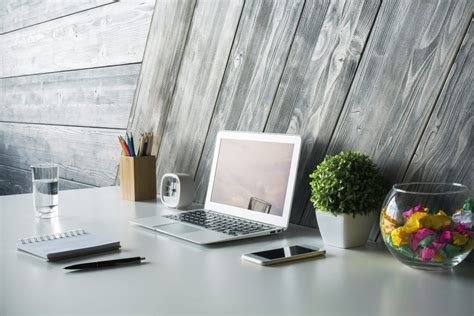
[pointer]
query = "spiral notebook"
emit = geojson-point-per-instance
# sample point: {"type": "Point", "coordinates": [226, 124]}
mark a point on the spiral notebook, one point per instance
{"type": "Point", "coordinates": [66, 245]}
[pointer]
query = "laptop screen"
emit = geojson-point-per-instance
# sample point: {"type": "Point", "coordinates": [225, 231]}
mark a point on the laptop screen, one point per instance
{"type": "Point", "coordinates": [252, 175]}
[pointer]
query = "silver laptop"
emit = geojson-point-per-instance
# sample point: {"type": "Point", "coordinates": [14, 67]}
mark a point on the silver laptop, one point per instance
{"type": "Point", "coordinates": [249, 194]}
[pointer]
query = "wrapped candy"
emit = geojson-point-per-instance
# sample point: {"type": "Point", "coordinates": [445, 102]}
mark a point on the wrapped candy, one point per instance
{"type": "Point", "coordinates": [427, 254]}
{"type": "Point", "coordinates": [400, 236]}
{"type": "Point", "coordinates": [414, 222]}
{"type": "Point", "coordinates": [460, 239]}
{"type": "Point", "coordinates": [420, 235]}
{"type": "Point", "coordinates": [418, 208]}
{"type": "Point", "coordinates": [438, 221]}
{"type": "Point", "coordinates": [430, 237]}
{"type": "Point", "coordinates": [463, 217]}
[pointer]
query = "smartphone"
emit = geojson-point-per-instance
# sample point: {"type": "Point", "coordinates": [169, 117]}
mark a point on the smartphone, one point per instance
{"type": "Point", "coordinates": [285, 254]}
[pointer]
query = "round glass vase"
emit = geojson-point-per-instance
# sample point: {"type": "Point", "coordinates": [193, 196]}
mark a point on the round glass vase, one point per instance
{"type": "Point", "coordinates": [428, 225]}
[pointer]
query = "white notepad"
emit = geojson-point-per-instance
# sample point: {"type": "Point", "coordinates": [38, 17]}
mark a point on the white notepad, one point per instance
{"type": "Point", "coordinates": [65, 245]}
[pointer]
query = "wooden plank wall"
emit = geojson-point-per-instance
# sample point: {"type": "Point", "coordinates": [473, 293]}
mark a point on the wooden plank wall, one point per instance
{"type": "Point", "coordinates": [68, 74]}
{"type": "Point", "coordinates": [390, 78]}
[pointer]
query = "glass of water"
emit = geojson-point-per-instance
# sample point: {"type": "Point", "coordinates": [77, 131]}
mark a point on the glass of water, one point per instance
{"type": "Point", "coordinates": [45, 189]}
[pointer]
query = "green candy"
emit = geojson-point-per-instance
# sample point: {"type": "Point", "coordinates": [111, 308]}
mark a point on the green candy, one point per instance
{"type": "Point", "coordinates": [426, 242]}
{"type": "Point", "coordinates": [406, 251]}
{"type": "Point", "coordinates": [469, 205]}
{"type": "Point", "coordinates": [452, 250]}
{"type": "Point", "coordinates": [443, 253]}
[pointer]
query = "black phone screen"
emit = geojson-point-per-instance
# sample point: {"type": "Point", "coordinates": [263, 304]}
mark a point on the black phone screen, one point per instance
{"type": "Point", "coordinates": [284, 252]}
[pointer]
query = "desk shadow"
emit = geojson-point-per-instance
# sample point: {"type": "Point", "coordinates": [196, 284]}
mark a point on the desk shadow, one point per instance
{"type": "Point", "coordinates": [288, 235]}
{"type": "Point", "coordinates": [105, 268]}
{"type": "Point", "coordinates": [96, 255]}
{"type": "Point", "coordinates": [287, 263]}
{"type": "Point", "coordinates": [246, 241]}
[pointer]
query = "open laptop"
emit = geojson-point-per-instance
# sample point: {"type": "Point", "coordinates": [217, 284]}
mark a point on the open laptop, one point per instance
{"type": "Point", "coordinates": [249, 194]}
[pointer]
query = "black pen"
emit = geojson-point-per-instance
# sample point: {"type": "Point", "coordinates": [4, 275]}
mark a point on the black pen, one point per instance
{"type": "Point", "coordinates": [103, 264]}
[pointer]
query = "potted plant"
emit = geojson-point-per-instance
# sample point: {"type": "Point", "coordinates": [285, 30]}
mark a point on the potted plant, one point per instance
{"type": "Point", "coordinates": [346, 191]}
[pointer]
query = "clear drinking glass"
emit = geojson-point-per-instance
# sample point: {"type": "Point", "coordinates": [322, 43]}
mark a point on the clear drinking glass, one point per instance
{"type": "Point", "coordinates": [45, 189]}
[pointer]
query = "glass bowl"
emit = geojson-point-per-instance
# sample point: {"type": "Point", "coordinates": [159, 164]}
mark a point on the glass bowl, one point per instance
{"type": "Point", "coordinates": [428, 225]}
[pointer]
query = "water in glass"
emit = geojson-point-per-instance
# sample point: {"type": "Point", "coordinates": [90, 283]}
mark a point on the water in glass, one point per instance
{"type": "Point", "coordinates": [45, 190]}
{"type": "Point", "coordinates": [45, 194]}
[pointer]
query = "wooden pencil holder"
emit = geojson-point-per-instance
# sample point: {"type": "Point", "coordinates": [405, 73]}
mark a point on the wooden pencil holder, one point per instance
{"type": "Point", "coordinates": [138, 178]}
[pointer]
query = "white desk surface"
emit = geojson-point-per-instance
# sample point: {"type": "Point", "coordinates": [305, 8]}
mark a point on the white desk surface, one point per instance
{"type": "Point", "coordinates": [186, 279]}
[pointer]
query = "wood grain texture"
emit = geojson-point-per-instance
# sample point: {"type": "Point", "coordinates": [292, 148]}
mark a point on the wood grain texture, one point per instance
{"type": "Point", "coordinates": [210, 40]}
{"type": "Point", "coordinates": [16, 14]}
{"type": "Point", "coordinates": [445, 152]}
{"type": "Point", "coordinates": [108, 35]}
{"type": "Point", "coordinates": [86, 155]}
{"type": "Point", "coordinates": [401, 73]}
{"type": "Point", "coordinates": [321, 66]}
{"type": "Point", "coordinates": [99, 97]}
{"type": "Point", "coordinates": [138, 178]}
{"type": "Point", "coordinates": [160, 67]}
{"type": "Point", "coordinates": [253, 72]}
{"type": "Point", "coordinates": [18, 181]}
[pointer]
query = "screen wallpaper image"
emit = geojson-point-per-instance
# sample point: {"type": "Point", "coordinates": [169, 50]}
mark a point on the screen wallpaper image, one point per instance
{"type": "Point", "coordinates": [252, 175]}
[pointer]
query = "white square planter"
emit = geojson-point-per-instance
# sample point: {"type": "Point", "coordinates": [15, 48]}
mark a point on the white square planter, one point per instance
{"type": "Point", "coordinates": [344, 231]}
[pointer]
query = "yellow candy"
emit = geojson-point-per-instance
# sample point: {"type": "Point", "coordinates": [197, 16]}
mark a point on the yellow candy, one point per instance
{"type": "Point", "coordinates": [436, 222]}
{"type": "Point", "coordinates": [400, 236]}
{"type": "Point", "coordinates": [414, 222]}
{"type": "Point", "coordinates": [439, 257]}
{"type": "Point", "coordinates": [441, 212]}
{"type": "Point", "coordinates": [469, 245]}
{"type": "Point", "coordinates": [459, 239]}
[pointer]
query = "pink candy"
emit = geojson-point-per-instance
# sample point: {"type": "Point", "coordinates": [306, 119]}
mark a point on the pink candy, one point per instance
{"type": "Point", "coordinates": [420, 235]}
{"type": "Point", "coordinates": [446, 236]}
{"type": "Point", "coordinates": [427, 254]}
{"type": "Point", "coordinates": [438, 245]}
{"type": "Point", "coordinates": [463, 229]}
{"type": "Point", "coordinates": [410, 212]}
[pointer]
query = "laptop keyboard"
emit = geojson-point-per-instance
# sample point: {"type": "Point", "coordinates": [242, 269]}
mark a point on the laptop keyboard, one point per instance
{"type": "Point", "coordinates": [221, 223]}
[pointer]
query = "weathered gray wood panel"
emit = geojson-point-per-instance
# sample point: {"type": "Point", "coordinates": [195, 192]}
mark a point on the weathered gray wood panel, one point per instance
{"type": "Point", "coordinates": [209, 43]}
{"type": "Point", "coordinates": [253, 72]}
{"type": "Point", "coordinates": [109, 35]}
{"type": "Point", "coordinates": [15, 14]}
{"type": "Point", "coordinates": [18, 181]}
{"type": "Point", "coordinates": [322, 63]}
{"type": "Point", "coordinates": [401, 73]}
{"type": "Point", "coordinates": [445, 152]}
{"type": "Point", "coordinates": [99, 97]}
{"type": "Point", "coordinates": [160, 67]}
{"type": "Point", "coordinates": [86, 155]}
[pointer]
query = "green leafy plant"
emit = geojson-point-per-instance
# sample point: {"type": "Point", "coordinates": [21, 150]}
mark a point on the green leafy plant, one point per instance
{"type": "Point", "coordinates": [347, 183]}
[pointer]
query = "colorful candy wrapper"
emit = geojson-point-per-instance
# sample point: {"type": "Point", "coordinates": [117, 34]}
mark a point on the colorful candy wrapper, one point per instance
{"type": "Point", "coordinates": [420, 235]}
{"type": "Point", "coordinates": [463, 217]}
{"type": "Point", "coordinates": [446, 236]}
{"type": "Point", "coordinates": [429, 237]}
{"type": "Point", "coordinates": [436, 222]}
{"type": "Point", "coordinates": [427, 254]}
{"type": "Point", "coordinates": [426, 243]}
{"type": "Point", "coordinates": [460, 239]}
{"type": "Point", "coordinates": [400, 236]}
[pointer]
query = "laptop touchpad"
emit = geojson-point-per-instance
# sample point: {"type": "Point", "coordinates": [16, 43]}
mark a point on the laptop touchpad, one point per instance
{"type": "Point", "coordinates": [178, 228]}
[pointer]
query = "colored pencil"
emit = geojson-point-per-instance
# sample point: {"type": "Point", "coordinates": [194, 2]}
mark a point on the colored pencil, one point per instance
{"type": "Point", "coordinates": [130, 144]}
{"type": "Point", "coordinates": [125, 149]}
{"type": "Point", "coordinates": [149, 144]}
{"type": "Point", "coordinates": [140, 145]}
